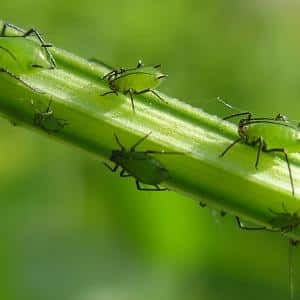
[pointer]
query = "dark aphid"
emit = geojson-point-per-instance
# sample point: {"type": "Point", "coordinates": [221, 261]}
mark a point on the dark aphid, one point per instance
{"type": "Point", "coordinates": [47, 121]}
{"type": "Point", "coordinates": [270, 135]}
{"type": "Point", "coordinates": [30, 32]}
{"type": "Point", "coordinates": [134, 81]}
{"type": "Point", "coordinates": [141, 165]}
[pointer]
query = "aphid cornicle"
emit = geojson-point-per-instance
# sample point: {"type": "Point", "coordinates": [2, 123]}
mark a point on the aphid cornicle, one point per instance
{"type": "Point", "coordinates": [141, 165]}
{"type": "Point", "coordinates": [134, 81]}
{"type": "Point", "coordinates": [270, 135]}
{"type": "Point", "coordinates": [47, 121]}
{"type": "Point", "coordinates": [33, 55]}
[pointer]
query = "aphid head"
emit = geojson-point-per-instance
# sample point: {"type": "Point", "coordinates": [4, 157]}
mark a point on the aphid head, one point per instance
{"type": "Point", "coordinates": [117, 156]}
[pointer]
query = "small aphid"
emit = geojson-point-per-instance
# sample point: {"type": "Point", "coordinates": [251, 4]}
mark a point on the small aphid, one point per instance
{"type": "Point", "coordinates": [47, 121]}
{"type": "Point", "coordinates": [141, 165]}
{"type": "Point", "coordinates": [134, 81]}
{"type": "Point", "coordinates": [270, 135]}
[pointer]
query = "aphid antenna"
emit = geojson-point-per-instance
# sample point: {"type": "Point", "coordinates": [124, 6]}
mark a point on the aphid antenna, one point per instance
{"type": "Point", "coordinates": [119, 142]}
{"type": "Point", "coordinates": [139, 141]}
{"type": "Point", "coordinates": [247, 113]}
{"type": "Point", "coordinates": [157, 66]}
{"type": "Point", "coordinates": [9, 52]}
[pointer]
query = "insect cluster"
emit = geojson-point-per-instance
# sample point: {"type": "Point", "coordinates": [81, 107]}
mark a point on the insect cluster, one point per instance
{"type": "Point", "coordinates": [276, 134]}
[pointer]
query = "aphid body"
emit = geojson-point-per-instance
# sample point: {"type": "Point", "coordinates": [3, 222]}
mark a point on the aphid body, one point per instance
{"type": "Point", "coordinates": [135, 81]}
{"type": "Point", "coordinates": [270, 135]}
{"type": "Point", "coordinates": [47, 121]}
{"type": "Point", "coordinates": [22, 55]}
{"type": "Point", "coordinates": [141, 165]}
{"type": "Point", "coordinates": [19, 54]}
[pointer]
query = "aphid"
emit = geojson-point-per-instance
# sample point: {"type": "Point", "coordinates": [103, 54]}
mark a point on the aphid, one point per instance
{"type": "Point", "coordinates": [134, 81]}
{"type": "Point", "coordinates": [141, 165]}
{"type": "Point", "coordinates": [270, 134]}
{"type": "Point", "coordinates": [24, 34]}
{"type": "Point", "coordinates": [33, 56]}
{"type": "Point", "coordinates": [47, 121]}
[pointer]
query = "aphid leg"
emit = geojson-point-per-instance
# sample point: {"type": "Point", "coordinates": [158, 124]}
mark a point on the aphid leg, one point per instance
{"type": "Point", "coordinates": [124, 174]}
{"type": "Point", "coordinates": [3, 70]}
{"type": "Point", "coordinates": [157, 66]}
{"type": "Point", "coordinates": [6, 25]}
{"type": "Point", "coordinates": [282, 150]}
{"type": "Point", "coordinates": [62, 122]}
{"type": "Point", "coordinates": [157, 189]}
{"type": "Point", "coordinates": [153, 92]}
{"type": "Point", "coordinates": [118, 142]}
{"type": "Point", "coordinates": [114, 169]}
{"type": "Point", "coordinates": [132, 149]}
{"type": "Point", "coordinates": [248, 114]}
{"type": "Point", "coordinates": [230, 146]}
{"type": "Point", "coordinates": [44, 45]}
{"type": "Point", "coordinates": [131, 99]}
{"type": "Point", "coordinates": [110, 92]}
{"type": "Point", "coordinates": [260, 142]}
{"type": "Point", "coordinates": [202, 204]}
{"type": "Point", "coordinates": [243, 227]}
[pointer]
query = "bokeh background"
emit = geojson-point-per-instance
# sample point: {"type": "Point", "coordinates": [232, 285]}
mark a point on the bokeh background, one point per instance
{"type": "Point", "coordinates": [71, 230]}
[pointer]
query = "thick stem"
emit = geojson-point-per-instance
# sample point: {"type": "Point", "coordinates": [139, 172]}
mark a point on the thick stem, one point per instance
{"type": "Point", "coordinates": [230, 183]}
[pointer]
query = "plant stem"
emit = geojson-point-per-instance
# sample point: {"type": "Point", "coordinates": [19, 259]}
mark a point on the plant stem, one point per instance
{"type": "Point", "coordinates": [230, 184]}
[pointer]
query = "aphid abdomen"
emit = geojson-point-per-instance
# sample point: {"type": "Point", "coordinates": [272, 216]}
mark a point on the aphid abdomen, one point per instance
{"type": "Point", "coordinates": [22, 54]}
{"type": "Point", "coordinates": [145, 168]}
{"type": "Point", "coordinates": [275, 135]}
{"type": "Point", "coordinates": [136, 81]}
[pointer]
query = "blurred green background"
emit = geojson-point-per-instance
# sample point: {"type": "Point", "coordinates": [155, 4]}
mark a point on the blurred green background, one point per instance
{"type": "Point", "coordinates": [72, 230]}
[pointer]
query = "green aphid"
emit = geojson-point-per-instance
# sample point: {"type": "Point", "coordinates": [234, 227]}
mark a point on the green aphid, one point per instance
{"type": "Point", "coordinates": [20, 54]}
{"type": "Point", "coordinates": [34, 56]}
{"type": "Point", "coordinates": [141, 165]}
{"type": "Point", "coordinates": [47, 121]}
{"type": "Point", "coordinates": [270, 135]}
{"type": "Point", "coordinates": [135, 81]}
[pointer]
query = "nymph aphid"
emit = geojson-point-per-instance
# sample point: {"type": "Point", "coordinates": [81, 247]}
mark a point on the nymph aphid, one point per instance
{"type": "Point", "coordinates": [47, 121]}
{"type": "Point", "coordinates": [134, 81]}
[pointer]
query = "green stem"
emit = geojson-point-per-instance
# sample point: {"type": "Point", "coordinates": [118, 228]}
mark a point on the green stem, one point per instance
{"type": "Point", "coordinates": [230, 184]}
